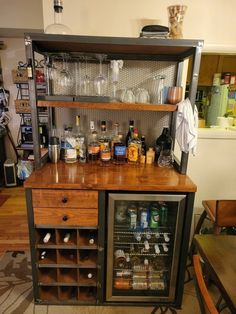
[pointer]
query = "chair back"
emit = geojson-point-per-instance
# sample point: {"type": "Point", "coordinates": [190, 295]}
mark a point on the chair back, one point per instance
{"type": "Point", "coordinates": [205, 301]}
{"type": "Point", "coordinates": [226, 213]}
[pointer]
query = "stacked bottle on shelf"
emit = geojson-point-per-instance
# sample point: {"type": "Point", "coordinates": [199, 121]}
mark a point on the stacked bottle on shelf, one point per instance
{"type": "Point", "coordinates": [106, 147]}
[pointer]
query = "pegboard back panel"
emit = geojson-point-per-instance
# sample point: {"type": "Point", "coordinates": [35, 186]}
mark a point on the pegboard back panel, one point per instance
{"type": "Point", "coordinates": [133, 74]}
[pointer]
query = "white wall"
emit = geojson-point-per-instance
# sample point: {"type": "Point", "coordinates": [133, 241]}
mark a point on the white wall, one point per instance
{"type": "Point", "coordinates": [211, 20]}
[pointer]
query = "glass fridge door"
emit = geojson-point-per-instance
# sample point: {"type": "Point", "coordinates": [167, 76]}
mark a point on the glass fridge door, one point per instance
{"type": "Point", "coordinates": [144, 236]}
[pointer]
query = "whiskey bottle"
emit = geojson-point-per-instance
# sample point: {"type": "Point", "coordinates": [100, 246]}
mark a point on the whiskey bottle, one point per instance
{"type": "Point", "coordinates": [134, 149]}
{"type": "Point", "coordinates": [66, 237]}
{"type": "Point", "coordinates": [104, 144]}
{"type": "Point", "coordinates": [93, 144]}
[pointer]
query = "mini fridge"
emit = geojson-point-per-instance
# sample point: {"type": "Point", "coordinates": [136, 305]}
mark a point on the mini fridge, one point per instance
{"type": "Point", "coordinates": [143, 246]}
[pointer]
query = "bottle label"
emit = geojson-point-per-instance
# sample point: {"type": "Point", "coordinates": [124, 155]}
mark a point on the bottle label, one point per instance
{"type": "Point", "coordinates": [119, 150]}
{"type": "Point", "coordinates": [105, 155]}
{"type": "Point", "coordinates": [93, 150]}
{"type": "Point", "coordinates": [133, 153]}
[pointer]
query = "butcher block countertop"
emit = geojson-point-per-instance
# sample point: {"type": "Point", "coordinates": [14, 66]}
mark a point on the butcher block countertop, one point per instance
{"type": "Point", "coordinates": [91, 176]}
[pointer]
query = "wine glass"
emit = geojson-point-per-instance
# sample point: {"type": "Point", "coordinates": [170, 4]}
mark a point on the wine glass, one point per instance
{"type": "Point", "coordinates": [100, 82]}
{"type": "Point", "coordinates": [174, 94]}
{"type": "Point", "coordinates": [65, 78]}
{"type": "Point", "coordinates": [86, 80]}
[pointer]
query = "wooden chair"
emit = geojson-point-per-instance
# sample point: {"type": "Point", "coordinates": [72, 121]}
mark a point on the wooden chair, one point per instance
{"type": "Point", "coordinates": [205, 301]}
{"type": "Point", "coordinates": [221, 212]}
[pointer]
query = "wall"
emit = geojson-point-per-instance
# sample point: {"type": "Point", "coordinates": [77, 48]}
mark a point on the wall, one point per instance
{"type": "Point", "coordinates": [9, 59]}
{"type": "Point", "coordinates": [17, 16]}
{"type": "Point", "coordinates": [210, 20]}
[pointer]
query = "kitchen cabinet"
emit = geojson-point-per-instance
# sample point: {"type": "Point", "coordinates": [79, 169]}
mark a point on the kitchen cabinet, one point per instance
{"type": "Point", "coordinates": [92, 204]}
{"type": "Point", "coordinates": [144, 59]}
{"type": "Point", "coordinates": [211, 64]}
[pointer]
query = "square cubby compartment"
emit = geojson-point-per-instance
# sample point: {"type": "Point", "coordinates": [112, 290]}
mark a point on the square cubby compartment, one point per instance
{"type": "Point", "coordinates": [68, 293]}
{"type": "Point", "coordinates": [88, 237]}
{"type": "Point", "coordinates": [67, 275]}
{"type": "Point", "coordinates": [67, 257]}
{"type": "Point", "coordinates": [88, 276]}
{"type": "Point", "coordinates": [67, 237]}
{"type": "Point", "coordinates": [48, 293]}
{"type": "Point", "coordinates": [88, 258]}
{"type": "Point", "coordinates": [47, 275]}
{"type": "Point", "coordinates": [47, 256]}
{"type": "Point", "coordinates": [45, 236]}
{"type": "Point", "coordinates": [87, 294]}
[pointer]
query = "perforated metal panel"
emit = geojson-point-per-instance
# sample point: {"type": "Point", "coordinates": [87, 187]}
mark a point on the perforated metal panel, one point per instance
{"type": "Point", "coordinates": [133, 74]}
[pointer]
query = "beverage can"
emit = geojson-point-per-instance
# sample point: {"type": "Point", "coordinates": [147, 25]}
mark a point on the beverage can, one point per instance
{"type": "Point", "coordinates": [163, 214]}
{"type": "Point", "coordinates": [154, 217]}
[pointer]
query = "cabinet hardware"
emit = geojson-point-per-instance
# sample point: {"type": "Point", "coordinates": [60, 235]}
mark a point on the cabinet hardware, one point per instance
{"type": "Point", "coordinates": [65, 218]}
{"type": "Point", "coordinates": [64, 200]}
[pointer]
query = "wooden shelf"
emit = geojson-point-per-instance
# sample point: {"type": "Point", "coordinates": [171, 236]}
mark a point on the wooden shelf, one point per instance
{"type": "Point", "coordinates": [107, 106]}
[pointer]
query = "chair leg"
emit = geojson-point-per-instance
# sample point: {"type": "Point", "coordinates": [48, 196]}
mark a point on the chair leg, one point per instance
{"type": "Point", "coordinates": [196, 231]}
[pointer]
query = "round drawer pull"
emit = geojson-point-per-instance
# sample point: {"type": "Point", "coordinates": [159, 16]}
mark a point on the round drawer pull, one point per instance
{"type": "Point", "coordinates": [64, 200]}
{"type": "Point", "coordinates": [65, 218]}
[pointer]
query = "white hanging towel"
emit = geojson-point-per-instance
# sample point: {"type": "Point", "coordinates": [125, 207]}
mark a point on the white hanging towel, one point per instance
{"type": "Point", "coordinates": [187, 126]}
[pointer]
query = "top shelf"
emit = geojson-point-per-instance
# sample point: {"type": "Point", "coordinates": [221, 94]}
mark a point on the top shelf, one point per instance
{"type": "Point", "coordinates": [115, 47]}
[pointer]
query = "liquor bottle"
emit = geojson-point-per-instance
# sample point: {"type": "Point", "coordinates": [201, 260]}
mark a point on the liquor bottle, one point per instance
{"type": "Point", "coordinates": [115, 138]}
{"type": "Point", "coordinates": [104, 143]}
{"type": "Point", "coordinates": [129, 135]}
{"type": "Point", "coordinates": [134, 148]}
{"type": "Point", "coordinates": [143, 150]}
{"type": "Point", "coordinates": [47, 237]}
{"type": "Point", "coordinates": [164, 141]}
{"type": "Point", "coordinates": [93, 144]}
{"type": "Point", "coordinates": [66, 237]}
{"type": "Point", "coordinates": [119, 151]}
{"type": "Point", "coordinates": [57, 27]}
{"type": "Point", "coordinates": [70, 154]}
{"type": "Point", "coordinates": [150, 156]}
{"type": "Point", "coordinates": [80, 141]}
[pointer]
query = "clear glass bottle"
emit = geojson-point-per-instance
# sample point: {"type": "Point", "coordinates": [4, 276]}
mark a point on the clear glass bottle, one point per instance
{"type": "Point", "coordinates": [80, 141]}
{"type": "Point", "coordinates": [93, 144]}
{"type": "Point", "coordinates": [134, 148]}
{"type": "Point", "coordinates": [164, 141]}
{"type": "Point", "coordinates": [58, 27]}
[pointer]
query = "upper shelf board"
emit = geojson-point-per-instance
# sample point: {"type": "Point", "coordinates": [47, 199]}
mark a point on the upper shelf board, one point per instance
{"type": "Point", "coordinates": [115, 47]}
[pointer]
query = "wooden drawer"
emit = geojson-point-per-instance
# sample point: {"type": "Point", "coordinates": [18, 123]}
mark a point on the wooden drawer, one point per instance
{"type": "Point", "coordinates": [66, 216]}
{"type": "Point", "coordinates": [65, 198]}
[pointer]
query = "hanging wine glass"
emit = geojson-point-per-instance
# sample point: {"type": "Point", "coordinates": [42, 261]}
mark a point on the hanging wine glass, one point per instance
{"type": "Point", "coordinates": [116, 65]}
{"type": "Point", "coordinates": [65, 78]}
{"type": "Point", "coordinates": [100, 82]}
{"type": "Point", "coordinates": [86, 80]}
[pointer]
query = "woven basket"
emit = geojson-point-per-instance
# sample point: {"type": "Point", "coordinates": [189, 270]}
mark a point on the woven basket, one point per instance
{"type": "Point", "coordinates": [19, 76]}
{"type": "Point", "coordinates": [22, 106]}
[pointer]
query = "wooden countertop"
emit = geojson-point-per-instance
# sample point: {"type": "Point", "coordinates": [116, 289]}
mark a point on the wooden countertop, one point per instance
{"type": "Point", "coordinates": [112, 177]}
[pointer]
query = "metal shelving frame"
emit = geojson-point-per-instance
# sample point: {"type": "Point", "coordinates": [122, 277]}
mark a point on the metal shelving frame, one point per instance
{"type": "Point", "coordinates": [114, 48]}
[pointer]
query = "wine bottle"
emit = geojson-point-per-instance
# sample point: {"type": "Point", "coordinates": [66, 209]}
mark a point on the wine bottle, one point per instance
{"type": "Point", "coordinates": [91, 240]}
{"type": "Point", "coordinates": [47, 237]}
{"type": "Point", "coordinates": [157, 249]}
{"type": "Point", "coordinates": [43, 255]}
{"type": "Point", "coordinates": [66, 237]}
{"type": "Point", "coordinates": [165, 247]}
{"type": "Point", "coordinates": [90, 275]}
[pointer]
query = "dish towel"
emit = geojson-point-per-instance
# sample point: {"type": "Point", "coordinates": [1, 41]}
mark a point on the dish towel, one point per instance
{"type": "Point", "coordinates": [186, 126]}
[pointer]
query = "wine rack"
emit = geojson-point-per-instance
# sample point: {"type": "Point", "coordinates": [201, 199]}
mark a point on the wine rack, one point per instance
{"type": "Point", "coordinates": [66, 262]}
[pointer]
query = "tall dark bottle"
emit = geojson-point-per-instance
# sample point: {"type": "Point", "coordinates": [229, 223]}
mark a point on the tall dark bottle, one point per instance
{"type": "Point", "coordinates": [130, 132]}
{"type": "Point", "coordinates": [164, 141]}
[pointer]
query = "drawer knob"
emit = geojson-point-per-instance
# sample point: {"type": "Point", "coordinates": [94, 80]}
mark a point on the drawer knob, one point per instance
{"type": "Point", "coordinates": [65, 218]}
{"type": "Point", "coordinates": [64, 200]}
